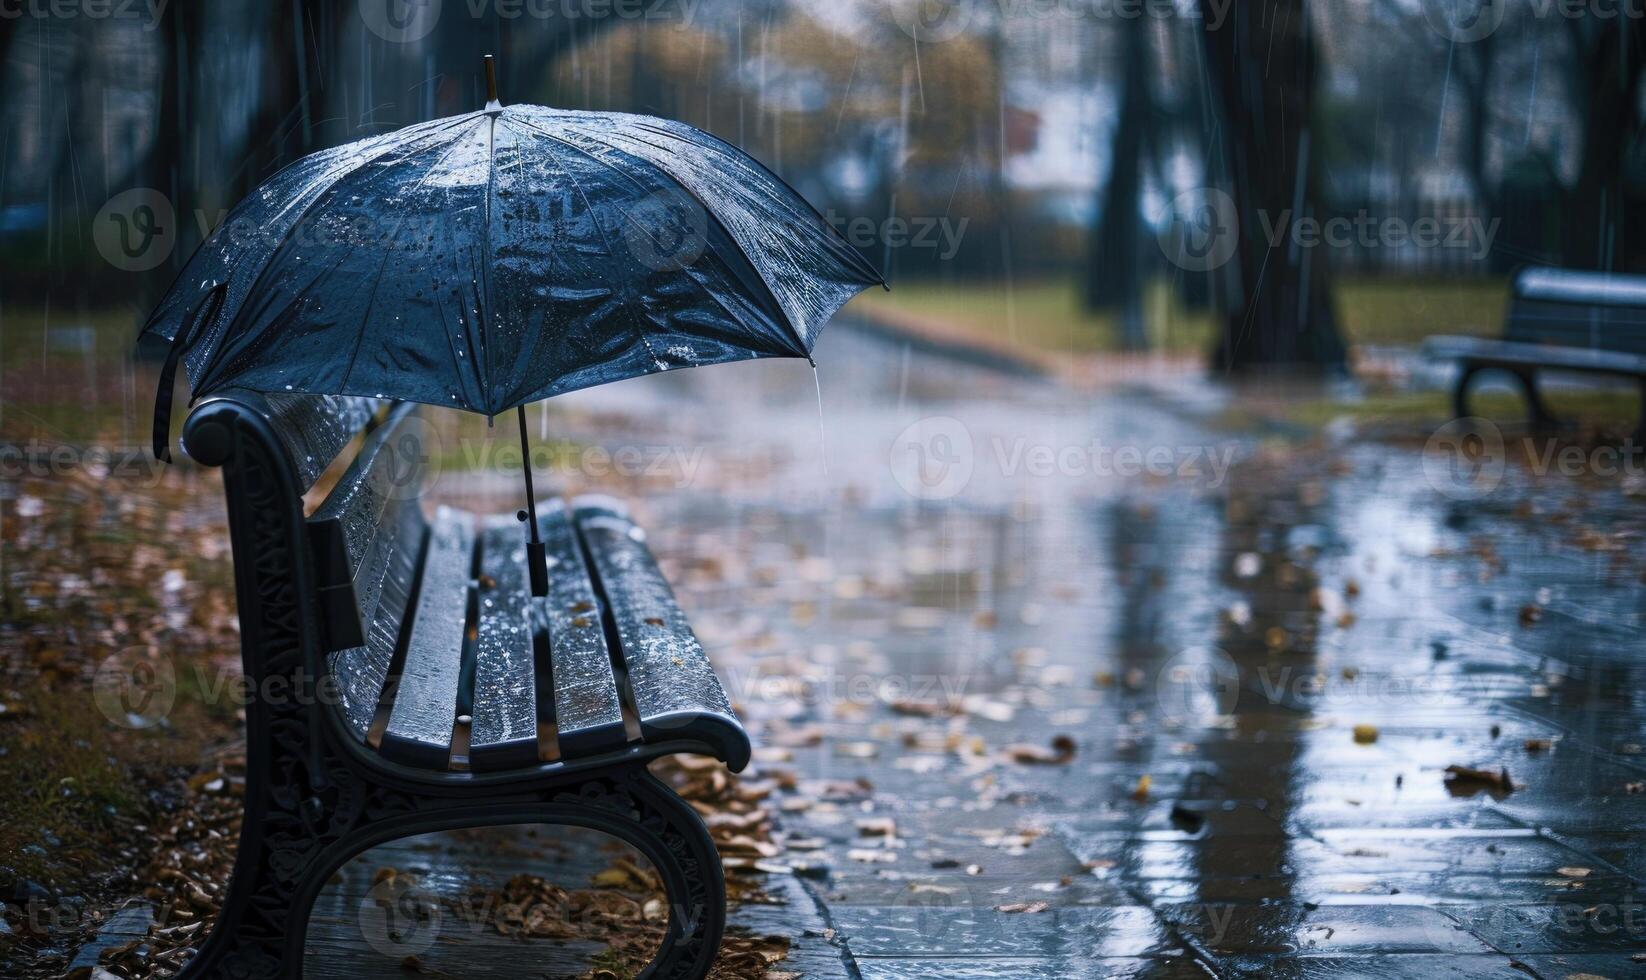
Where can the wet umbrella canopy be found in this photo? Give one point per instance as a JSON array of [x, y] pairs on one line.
[[489, 260]]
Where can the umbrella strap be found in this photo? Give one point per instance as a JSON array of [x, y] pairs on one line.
[[198, 317]]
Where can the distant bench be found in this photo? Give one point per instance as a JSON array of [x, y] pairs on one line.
[[1558, 319], [431, 691]]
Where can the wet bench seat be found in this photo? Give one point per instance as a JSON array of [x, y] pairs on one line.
[[444, 660]]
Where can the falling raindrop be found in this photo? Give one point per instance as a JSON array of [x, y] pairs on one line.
[[822, 444]]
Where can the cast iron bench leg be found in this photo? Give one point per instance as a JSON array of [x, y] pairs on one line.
[[276, 881], [1537, 411]]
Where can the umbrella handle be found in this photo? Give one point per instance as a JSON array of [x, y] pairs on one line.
[[536, 554], [493, 106], [537, 559]]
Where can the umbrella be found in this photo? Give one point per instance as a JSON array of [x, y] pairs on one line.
[[492, 259]]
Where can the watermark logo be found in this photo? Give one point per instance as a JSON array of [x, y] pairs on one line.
[[400, 21], [135, 688], [397, 917], [1465, 458], [1464, 21], [411, 457], [667, 230], [1201, 230], [932, 21], [933, 458], [1197, 683], [150, 12], [135, 230]]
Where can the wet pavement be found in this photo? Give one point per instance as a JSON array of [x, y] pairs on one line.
[[1056, 683]]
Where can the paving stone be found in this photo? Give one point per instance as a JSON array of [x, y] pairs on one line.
[[1333, 931], [1017, 968], [981, 930]]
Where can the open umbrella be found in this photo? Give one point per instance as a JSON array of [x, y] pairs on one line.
[[489, 260]]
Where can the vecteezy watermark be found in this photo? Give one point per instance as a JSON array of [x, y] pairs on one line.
[[1465, 459], [938, 233], [135, 687], [400, 21], [409, 21], [135, 230], [1200, 230], [1467, 21], [935, 458], [1464, 21], [823, 687], [1197, 683], [667, 230], [397, 917], [47, 460], [678, 466], [149, 12], [935, 21]]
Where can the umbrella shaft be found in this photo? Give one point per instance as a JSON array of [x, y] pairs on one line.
[[526, 465]]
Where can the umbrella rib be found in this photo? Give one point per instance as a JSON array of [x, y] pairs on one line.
[[640, 327], [247, 345], [365, 320], [324, 195], [462, 378], [864, 266], [479, 374], [696, 285], [761, 276], [485, 353]]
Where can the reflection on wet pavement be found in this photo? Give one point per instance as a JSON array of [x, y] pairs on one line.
[[1091, 721]]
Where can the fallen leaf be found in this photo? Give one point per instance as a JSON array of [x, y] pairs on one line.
[[1062, 750]]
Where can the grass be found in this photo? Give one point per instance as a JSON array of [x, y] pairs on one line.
[[1423, 410], [1041, 315], [64, 790], [1404, 311], [1047, 314]]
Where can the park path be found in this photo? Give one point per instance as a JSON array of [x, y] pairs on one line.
[[1056, 683]]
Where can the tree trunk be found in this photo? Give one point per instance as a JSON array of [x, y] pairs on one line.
[[1262, 64], [1114, 273], [1593, 225]]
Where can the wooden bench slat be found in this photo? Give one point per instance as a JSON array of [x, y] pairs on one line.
[[676, 693], [385, 586], [367, 537], [425, 698], [588, 709], [315, 428], [376, 498], [1486, 350], [504, 732]]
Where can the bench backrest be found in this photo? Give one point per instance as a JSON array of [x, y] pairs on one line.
[[359, 551], [1573, 308]]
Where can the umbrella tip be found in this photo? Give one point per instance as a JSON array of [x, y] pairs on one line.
[[492, 104]]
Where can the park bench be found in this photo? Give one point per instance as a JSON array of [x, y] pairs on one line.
[[405, 681], [1558, 319]]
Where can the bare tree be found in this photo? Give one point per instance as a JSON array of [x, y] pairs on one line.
[[1114, 273], [1262, 61]]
